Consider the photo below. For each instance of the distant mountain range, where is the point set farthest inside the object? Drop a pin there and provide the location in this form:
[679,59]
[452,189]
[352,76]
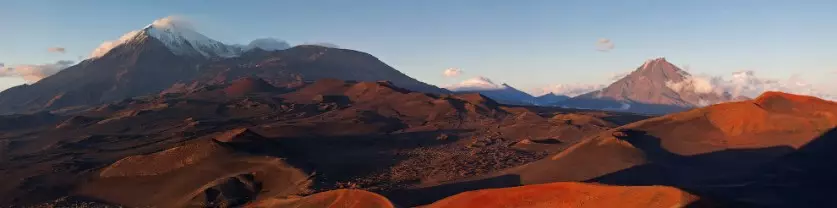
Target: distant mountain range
[167,57]
[163,55]
[656,87]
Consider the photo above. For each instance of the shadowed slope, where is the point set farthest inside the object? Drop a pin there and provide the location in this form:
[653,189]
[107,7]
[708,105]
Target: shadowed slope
[684,150]
[200,147]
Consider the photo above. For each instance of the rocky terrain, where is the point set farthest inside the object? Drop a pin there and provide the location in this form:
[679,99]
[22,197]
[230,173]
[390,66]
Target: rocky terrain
[247,140]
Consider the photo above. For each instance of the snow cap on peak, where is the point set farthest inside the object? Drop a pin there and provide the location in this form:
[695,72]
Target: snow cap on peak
[476,83]
[178,34]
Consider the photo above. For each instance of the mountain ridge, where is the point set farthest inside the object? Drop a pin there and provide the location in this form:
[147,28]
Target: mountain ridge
[141,64]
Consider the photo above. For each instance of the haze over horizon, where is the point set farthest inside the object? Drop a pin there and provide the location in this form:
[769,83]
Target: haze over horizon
[785,45]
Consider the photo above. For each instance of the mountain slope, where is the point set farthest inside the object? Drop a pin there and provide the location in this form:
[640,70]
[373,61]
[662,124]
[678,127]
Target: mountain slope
[503,93]
[248,140]
[139,67]
[693,148]
[655,87]
[161,55]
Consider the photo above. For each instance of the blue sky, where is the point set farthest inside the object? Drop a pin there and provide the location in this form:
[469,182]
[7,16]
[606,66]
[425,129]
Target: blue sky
[526,44]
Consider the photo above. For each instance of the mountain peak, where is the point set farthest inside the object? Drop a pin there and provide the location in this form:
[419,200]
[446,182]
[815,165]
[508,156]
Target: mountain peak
[656,60]
[181,38]
[660,70]
[659,64]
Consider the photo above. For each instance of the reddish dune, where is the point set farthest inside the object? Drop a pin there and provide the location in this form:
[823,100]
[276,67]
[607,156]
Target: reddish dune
[710,143]
[557,195]
[342,198]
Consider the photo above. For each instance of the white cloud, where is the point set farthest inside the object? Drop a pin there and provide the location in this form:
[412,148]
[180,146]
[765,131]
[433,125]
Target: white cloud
[452,72]
[604,45]
[174,21]
[57,50]
[617,76]
[571,90]
[747,83]
[32,73]
[697,84]
[105,47]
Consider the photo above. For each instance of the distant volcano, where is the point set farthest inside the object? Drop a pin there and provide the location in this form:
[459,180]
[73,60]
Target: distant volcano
[502,93]
[168,52]
[655,87]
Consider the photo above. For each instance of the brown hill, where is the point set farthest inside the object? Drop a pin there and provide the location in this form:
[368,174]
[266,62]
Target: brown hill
[690,148]
[248,85]
[341,198]
[569,195]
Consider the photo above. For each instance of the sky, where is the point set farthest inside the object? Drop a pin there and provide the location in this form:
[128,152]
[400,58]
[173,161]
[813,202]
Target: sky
[527,44]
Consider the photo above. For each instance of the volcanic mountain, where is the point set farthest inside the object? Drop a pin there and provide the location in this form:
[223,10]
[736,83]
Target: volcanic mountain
[167,52]
[502,93]
[656,87]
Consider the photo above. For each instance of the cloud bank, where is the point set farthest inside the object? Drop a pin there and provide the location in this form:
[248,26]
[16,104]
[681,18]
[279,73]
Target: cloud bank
[34,72]
[748,84]
[571,90]
[452,72]
[695,84]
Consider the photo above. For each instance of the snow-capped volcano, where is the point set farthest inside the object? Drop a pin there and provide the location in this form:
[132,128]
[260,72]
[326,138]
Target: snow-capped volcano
[180,37]
[502,93]
[476,83]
